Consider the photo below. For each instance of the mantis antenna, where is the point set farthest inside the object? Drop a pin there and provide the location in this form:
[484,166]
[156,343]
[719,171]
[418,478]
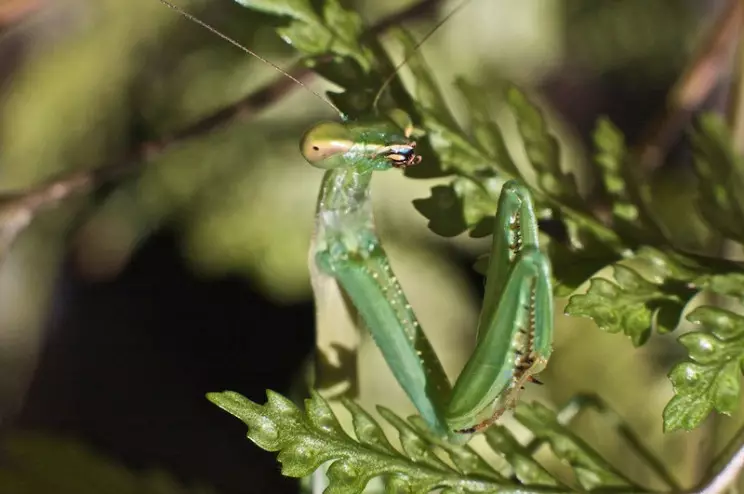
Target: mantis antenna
[439,24]
[249,51]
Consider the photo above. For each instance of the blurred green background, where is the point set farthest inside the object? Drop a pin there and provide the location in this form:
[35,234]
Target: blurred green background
[120,309]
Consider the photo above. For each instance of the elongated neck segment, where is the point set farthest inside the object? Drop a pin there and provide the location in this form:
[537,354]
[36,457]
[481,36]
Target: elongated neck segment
[344,209]
[344,190]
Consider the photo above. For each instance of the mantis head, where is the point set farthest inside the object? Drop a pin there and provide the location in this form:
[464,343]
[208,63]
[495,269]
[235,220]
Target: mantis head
[377,145]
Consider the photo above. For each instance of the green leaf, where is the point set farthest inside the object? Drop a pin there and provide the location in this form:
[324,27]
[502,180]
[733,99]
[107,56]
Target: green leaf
[465,459]
[525,468]
[627,190]
[729,284]
[488,135]
[571,268]
[40,463]
[336,33]
[630,304]
[721,174]
[307,440]
[462,205]
[591,470]
[542,148]
[611,157]
[443,209]
[457,152]
[347,27]
[309,38]
[297,9]
[711,379]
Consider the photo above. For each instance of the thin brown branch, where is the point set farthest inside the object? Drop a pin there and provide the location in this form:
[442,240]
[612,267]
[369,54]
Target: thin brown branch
[711,62]
[18,209]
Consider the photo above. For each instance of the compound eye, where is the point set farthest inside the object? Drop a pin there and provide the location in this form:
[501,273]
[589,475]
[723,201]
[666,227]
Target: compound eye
[324,144]
[403,157]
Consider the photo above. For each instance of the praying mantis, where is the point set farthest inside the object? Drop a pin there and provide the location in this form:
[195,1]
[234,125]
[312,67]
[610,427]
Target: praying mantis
[515,326]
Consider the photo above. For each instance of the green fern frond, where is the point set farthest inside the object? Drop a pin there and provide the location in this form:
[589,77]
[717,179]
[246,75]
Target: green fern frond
[711,379]
[306,440]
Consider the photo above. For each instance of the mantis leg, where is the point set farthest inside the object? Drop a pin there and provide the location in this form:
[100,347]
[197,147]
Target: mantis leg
[514,331]
[515,328]
[366,276]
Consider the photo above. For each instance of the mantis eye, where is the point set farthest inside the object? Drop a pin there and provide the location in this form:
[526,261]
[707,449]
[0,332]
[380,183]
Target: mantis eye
[324,144]
[403,156]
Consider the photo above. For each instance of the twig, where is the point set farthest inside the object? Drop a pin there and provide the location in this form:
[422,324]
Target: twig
[693,87]
[18,209]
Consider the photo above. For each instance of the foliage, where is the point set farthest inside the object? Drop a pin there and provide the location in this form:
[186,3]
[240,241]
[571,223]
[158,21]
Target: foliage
[306,441]
[35,463]
[628,237]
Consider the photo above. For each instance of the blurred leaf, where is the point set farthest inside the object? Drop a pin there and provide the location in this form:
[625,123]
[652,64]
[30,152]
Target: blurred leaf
[443,209]
[457,152]
[35,463]
[711,379]
[572,268]
[721,174]
[301,10]
[465,459]
[542,149]
[591,470]
[729,284]
[611,158]
[337,32]
[526,469]
[488,135]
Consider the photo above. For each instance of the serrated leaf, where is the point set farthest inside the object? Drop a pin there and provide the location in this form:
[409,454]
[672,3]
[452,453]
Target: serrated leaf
[347,26]
[336,33]
[721,177]
[627,190]
[571,268]
[711,379]
[525,468]
[465,459]
[367,430]
[631,305]
[414,445]
[542,148]
[610,157]
[443,209]
[455,149]
[306,441]
[487,134]
[459,206]
[311,39]
[729,284]
[297,9]
[591,470]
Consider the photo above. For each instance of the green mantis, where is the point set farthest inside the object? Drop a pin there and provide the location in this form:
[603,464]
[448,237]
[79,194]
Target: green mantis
[515,327]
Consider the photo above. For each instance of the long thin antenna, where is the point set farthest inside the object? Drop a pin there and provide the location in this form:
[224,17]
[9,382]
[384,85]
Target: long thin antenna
[250,52]
[415,48]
